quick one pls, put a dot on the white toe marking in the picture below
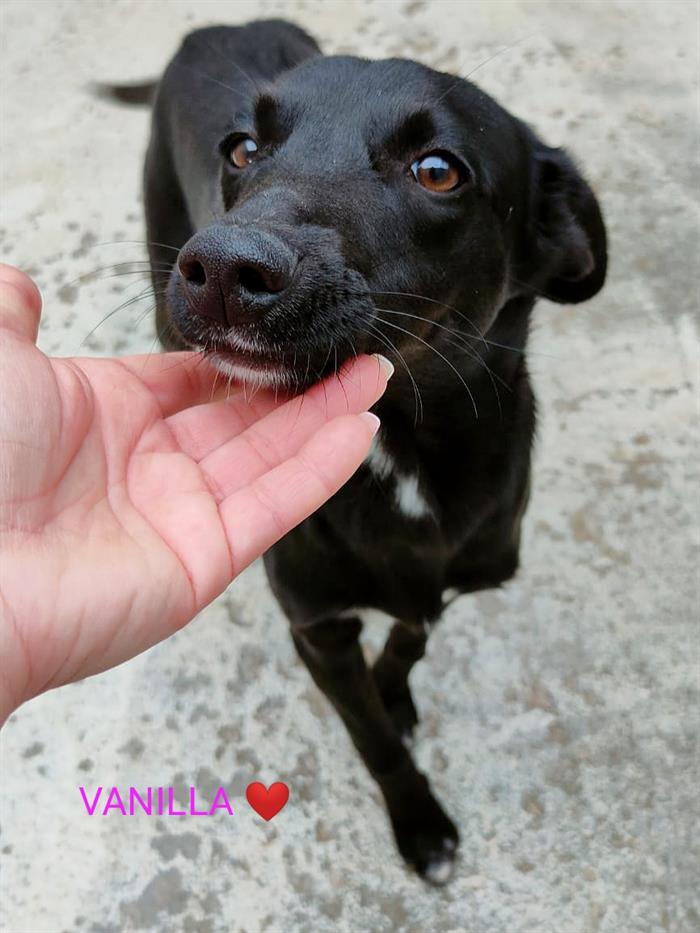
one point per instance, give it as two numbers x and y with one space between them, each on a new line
450 593
439 871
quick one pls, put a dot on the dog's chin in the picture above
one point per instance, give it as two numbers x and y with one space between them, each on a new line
250 359
258 373
244 363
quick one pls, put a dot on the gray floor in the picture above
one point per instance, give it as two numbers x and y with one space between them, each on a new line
560 714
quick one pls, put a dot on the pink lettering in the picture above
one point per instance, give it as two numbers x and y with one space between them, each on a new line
134 796
193 807
91 809
171 804
114 802
223 805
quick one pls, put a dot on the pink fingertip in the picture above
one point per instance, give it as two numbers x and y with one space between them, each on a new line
371 420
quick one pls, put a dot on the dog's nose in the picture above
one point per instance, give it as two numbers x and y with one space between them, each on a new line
231 274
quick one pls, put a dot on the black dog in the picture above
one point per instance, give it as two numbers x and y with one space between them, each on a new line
324 206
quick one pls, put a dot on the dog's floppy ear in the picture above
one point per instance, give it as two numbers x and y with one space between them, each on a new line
567 255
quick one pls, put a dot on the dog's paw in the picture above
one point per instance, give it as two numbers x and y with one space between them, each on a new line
428 839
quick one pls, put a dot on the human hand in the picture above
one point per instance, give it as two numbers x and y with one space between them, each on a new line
128 500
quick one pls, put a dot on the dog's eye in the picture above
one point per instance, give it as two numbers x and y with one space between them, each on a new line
438 171
243 152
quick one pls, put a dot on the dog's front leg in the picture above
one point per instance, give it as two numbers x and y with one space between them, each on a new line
425 835
404 646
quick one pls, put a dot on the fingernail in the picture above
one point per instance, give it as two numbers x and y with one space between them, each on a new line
372 421
386 365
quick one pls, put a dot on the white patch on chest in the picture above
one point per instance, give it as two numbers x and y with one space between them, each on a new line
378 460
407 495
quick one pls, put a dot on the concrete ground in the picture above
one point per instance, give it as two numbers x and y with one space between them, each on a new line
560 714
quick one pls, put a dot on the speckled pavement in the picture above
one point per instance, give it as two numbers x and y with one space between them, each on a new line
559 714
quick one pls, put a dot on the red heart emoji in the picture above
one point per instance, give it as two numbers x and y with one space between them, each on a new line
267 801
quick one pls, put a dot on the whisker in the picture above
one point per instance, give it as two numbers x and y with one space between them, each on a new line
137 243
462 345
328 356
440 304
202 74
441 355
342 384
500 52
147 293
156 339
477 335
93 274
230 61
484 62
387 342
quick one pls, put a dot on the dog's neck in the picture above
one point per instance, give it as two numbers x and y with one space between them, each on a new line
452 424
461 383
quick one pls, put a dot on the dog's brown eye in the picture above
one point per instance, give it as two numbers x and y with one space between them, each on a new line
243 152
438 171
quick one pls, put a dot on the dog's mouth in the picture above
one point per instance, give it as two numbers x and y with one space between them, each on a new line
264 374
270 308
257 369
285 351
292 340
261 364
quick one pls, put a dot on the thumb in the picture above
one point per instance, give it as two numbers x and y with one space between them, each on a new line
20 303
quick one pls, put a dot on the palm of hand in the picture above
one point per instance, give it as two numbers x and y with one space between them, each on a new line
129 500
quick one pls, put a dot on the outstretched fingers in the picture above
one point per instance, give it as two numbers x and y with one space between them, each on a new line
258 515
235 444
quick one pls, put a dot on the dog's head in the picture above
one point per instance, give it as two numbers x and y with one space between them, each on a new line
361 203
